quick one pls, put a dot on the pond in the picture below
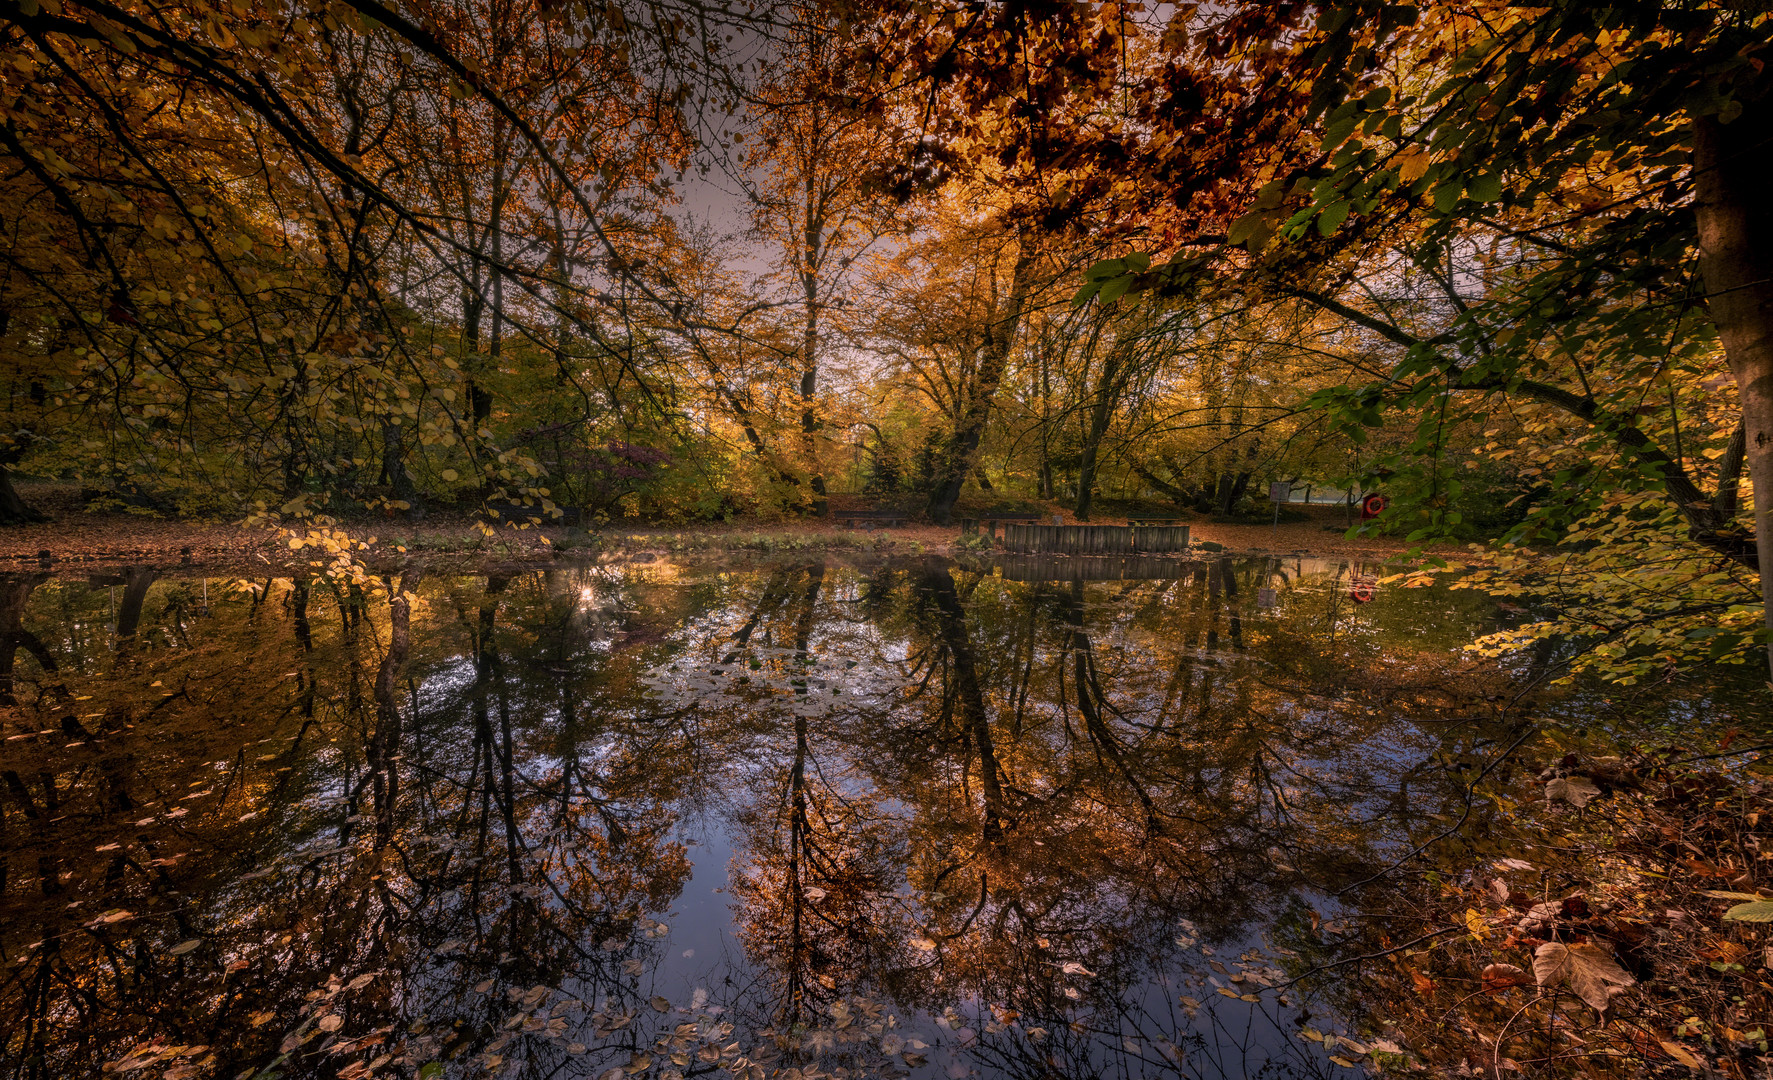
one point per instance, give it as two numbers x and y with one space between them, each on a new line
1011 818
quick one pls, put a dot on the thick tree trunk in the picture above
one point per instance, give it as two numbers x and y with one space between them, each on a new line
957 456
1086 482
13 509
394 463
1101 415
1731 162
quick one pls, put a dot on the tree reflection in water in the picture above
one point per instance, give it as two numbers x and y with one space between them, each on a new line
1013 826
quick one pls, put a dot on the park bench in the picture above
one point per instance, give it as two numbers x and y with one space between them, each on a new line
970 525
870 519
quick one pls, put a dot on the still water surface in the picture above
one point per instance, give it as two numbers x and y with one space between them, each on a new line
654 819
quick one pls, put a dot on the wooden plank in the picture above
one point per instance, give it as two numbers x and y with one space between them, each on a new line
1046 567
1095 540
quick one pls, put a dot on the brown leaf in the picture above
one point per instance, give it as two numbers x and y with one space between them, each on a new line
1575 790
1588 968
1543 916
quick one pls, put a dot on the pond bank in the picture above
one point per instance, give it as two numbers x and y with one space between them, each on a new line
74 536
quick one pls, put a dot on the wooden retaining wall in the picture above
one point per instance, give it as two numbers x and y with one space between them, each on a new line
1114 568
1094 539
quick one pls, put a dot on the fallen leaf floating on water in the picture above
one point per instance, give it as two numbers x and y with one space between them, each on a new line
1072 967
110 917
1588 968
184 947
1575 790
1499 977
1542 916
1755 908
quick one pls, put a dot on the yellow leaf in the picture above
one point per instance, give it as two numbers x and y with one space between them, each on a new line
1412 164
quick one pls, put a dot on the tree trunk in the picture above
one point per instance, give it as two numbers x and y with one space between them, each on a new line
394 472
957 456
1101 415
814 238
13 509
1730 163
1086 481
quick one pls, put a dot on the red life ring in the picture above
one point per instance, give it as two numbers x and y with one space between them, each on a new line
1374 505
1362 591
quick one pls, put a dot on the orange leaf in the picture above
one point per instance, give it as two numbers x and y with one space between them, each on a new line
1424 985
1499 977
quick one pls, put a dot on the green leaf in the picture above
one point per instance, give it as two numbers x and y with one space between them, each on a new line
431 1070
1113 290
1245 227
1331 218
1339 131
1755 911
1106 269
1447 195
1486 188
